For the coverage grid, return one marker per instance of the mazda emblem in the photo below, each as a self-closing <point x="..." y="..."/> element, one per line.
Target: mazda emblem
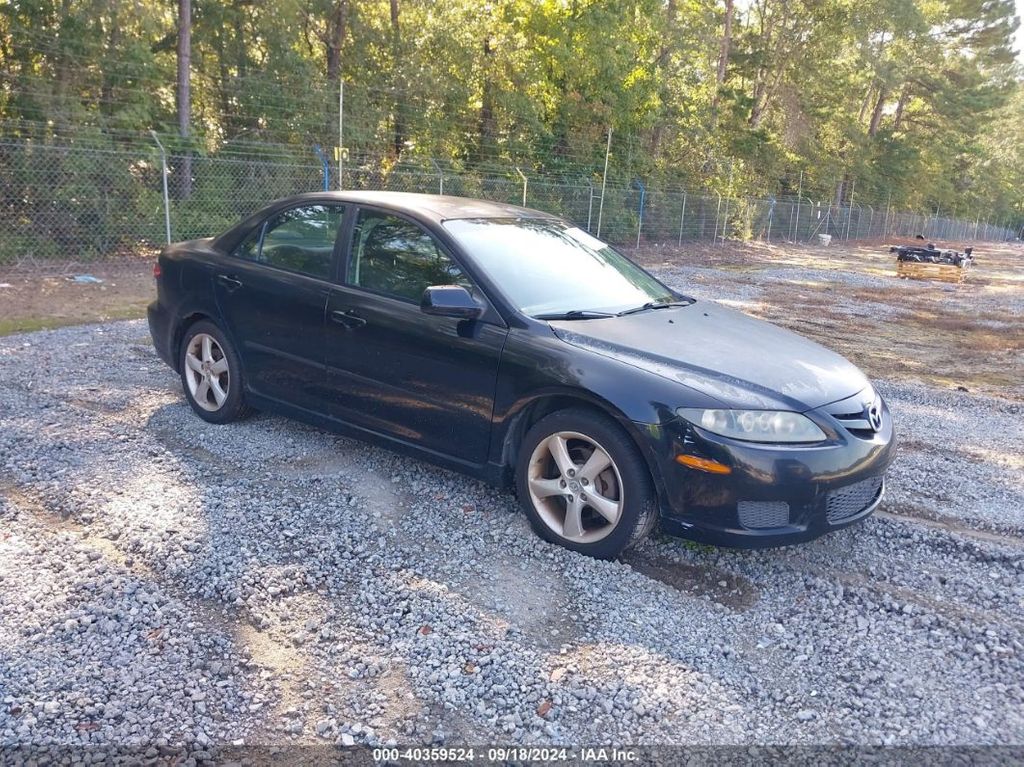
<point x="875" y="417"/>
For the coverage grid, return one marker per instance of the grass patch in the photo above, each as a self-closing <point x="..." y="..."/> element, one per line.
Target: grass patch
<point x="9" y="326"/>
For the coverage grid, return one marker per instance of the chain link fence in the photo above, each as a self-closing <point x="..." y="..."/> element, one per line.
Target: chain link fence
<point x="65" y="207"/>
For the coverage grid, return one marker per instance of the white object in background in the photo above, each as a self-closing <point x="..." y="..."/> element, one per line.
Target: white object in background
<point x="824" y="239"/>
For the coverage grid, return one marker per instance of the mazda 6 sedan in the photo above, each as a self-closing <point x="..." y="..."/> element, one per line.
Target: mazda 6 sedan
<point x="512" y="346"/>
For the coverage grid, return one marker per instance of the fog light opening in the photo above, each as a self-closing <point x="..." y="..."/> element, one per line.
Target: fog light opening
<point x="703" y="464"/>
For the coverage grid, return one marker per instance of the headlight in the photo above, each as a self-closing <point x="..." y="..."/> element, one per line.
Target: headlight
<point x="755" y="425"/>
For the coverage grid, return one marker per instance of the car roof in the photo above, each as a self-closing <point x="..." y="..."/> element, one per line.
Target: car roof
<point x="438" y="207"/>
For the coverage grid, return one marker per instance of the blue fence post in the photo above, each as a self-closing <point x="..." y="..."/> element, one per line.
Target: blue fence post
<point x="643" y="195"/>
<point x="326" y="166"/>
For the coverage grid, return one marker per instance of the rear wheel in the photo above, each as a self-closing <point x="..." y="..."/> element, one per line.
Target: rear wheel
<point x="211" y="374"/>
<point x="584" y="485"/>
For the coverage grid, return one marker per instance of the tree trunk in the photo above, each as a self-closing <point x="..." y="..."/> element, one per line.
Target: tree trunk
<point x="663" y="76"/>
<point x="241" y="52"/>
<point x="759" y="105"/>
<point x="398" y="138"/>
<point x="223" y="95"/>
<point x="759" y="92"/>
<point x="723" y="55"/>
<point x="900" y="106"/>
<point x="841" y="191"/>
<point x="486" y="122"/>
<point x="184" y="95"/>
<point x="723" y="49"/>
<point x="106" y="99"/>
<point x="864" y="103"/>
<point x="876" y="115"/>
<point x="64" y="67"/>
<point x="336" y="29"/>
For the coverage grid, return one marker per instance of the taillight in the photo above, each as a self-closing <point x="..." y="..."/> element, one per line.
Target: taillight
<point x="157" y="271"/>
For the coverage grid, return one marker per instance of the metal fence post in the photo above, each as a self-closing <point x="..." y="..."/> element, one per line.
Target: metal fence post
<point x="341" y="132"/>
<point x="799" y="193"/>
<point x="326" y="168"/>
<point x="604" y="182"/>
<point x="440" y="176"/>
<point x="163" y="175"/>
<point x="849" y="214"/>
<point x="682" y="217"/>
<point x="640" y="222"/>
<point x="718" y="212"/>
<point x="590" y="204"/>
<point x="523" y="177"/>
<point x="728" y="196"/>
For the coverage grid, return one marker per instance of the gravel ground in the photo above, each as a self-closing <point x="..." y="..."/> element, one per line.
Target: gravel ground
<point x="167" y="581"/>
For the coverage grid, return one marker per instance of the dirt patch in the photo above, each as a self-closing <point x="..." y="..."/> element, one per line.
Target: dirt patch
<point x="729" y="590"/>
<point x="38" y="302"/>
<point x="848" y="298"/>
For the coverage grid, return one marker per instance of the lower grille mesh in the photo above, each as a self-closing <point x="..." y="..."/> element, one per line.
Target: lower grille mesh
<point x="760" y="515"/>
<point x="849" y="501"/>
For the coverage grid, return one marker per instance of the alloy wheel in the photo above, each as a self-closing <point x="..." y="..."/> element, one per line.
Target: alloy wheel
<point x="575" y="487"/>
<point x="206" y="372"/>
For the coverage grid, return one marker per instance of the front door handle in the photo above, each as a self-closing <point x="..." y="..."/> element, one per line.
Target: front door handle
<point x="229" y="282"/>
<point x="348" y="318"/>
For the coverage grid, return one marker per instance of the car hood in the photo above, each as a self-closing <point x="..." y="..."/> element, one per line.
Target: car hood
<point x="738" y="360"/>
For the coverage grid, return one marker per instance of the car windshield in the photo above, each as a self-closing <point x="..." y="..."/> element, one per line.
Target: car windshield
<point x="548" y="267"/>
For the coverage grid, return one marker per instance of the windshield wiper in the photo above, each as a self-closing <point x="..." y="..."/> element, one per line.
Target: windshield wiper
<point x="573" y="314"/>
<point x="656" y="305"/>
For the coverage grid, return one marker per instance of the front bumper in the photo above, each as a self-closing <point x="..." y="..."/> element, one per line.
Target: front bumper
<point x="774" y="495"/>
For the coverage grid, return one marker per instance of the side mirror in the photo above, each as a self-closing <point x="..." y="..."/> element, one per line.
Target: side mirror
<point x="450" y="301"/>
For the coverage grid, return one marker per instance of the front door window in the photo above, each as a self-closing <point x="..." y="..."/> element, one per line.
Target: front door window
<point x="397" y="258"/>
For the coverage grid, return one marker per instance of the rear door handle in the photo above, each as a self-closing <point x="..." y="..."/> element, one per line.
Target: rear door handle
<point x="348" y="318"/>
<point x="228" y="281"/>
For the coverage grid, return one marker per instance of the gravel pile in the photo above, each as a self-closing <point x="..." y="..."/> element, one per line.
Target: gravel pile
<point x="269" y="583"/>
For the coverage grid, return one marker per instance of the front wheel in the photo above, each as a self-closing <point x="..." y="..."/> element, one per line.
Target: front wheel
<point x="211" y="374"/>
<point x="583" y="484"/>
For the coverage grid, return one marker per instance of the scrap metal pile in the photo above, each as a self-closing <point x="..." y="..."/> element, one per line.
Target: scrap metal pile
<point x="932" y="255"/>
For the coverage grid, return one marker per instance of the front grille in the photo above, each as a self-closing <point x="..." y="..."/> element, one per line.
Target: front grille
<point x="853" y="413"/>
<point x="851" y="500"/>
<point x="761" y="515"/>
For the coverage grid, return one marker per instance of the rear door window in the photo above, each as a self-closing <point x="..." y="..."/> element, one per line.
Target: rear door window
<point x="298" y="240"/>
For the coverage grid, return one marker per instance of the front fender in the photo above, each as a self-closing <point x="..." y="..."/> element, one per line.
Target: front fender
<point x="538" y="367"/>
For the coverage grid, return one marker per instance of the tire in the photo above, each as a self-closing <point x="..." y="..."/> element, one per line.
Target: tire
<point x="210" y="368"/>
<point x="545" y="484"/>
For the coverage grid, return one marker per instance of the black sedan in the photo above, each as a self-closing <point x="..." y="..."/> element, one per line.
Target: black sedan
<point x="513" y="346"/>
